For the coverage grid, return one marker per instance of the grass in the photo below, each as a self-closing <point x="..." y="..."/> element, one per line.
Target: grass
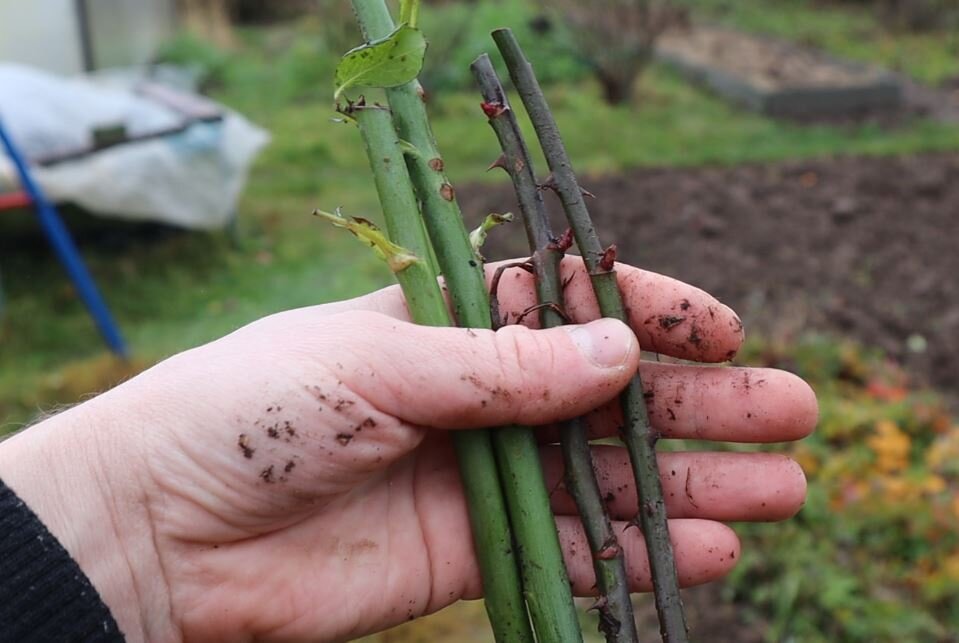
<point x="178" y="290"/>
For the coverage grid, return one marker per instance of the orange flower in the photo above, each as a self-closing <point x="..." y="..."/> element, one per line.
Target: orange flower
<point x="891" y="446"/>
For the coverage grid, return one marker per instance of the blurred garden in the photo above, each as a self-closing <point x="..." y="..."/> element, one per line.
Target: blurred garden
<point x="832" y="234"/>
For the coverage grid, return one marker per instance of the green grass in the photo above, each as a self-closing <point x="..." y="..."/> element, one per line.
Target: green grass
<point x="843" y="29"/>
<point x="184" y="289"/>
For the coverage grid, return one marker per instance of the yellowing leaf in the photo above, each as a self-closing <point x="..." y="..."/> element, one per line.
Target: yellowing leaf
<point x="387" y="62"/>
<point x="397" y="257"/>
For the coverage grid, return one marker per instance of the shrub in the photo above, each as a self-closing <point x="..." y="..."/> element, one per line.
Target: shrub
<point x="616" y="39"/>
<point x="874" y="554"/>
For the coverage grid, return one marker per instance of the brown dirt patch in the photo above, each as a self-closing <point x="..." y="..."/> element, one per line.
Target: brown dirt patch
<point x="860" y="247"/>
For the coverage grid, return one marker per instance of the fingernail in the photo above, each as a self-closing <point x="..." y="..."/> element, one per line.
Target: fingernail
<point x="606" y="343"/>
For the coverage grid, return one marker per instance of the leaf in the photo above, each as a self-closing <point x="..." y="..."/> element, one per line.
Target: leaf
<point x="396" y="257"/>
<point x="388" y="62"/>
<point x="478" y="236"/>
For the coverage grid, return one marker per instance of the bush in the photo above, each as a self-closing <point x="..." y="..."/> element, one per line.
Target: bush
<point x="874" y="554"/>
<point x="616" y="39"/>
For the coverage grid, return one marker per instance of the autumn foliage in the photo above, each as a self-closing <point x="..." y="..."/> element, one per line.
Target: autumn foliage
<point x="874" y="554"/>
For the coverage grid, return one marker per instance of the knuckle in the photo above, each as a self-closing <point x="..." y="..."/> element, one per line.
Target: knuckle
<point x="524" y="357"/>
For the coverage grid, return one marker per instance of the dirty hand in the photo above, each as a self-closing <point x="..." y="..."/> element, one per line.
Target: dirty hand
<point x="295" y="481"/>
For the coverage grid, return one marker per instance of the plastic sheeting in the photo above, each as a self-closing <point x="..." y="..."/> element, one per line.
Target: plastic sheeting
<point x="192" y="178"/>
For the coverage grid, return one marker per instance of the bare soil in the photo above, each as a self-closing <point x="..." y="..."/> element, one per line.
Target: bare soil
<point x="765" y="62"/>
<point x="857" y="247"/>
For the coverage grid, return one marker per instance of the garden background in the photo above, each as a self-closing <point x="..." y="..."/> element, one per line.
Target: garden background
<point x="833" y="237"/>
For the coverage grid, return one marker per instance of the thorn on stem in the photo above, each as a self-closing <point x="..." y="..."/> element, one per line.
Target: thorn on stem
<point x="563" y="243"/>
<point x="609" y="550"/>
<point x="608" y="260"/>
<point x="548" y="184"/>
<point x="493" y="109"/>
<point x="500" y="162"/>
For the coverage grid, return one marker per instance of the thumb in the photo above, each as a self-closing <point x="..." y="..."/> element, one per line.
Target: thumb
<point x="464" y="378"/>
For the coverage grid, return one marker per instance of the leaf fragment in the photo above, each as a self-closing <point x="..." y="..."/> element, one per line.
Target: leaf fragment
<point x="478" y="236"/>
<point x="396" y="257"/>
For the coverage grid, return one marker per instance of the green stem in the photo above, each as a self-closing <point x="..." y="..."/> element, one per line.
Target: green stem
<point x="637" y="433"/>
<point x="491" y="531"/>
<point x="545" y="581"/>
<point x="615" y="608"/>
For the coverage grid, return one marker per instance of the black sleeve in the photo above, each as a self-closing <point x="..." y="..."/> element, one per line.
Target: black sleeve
<point x="44" y="596"/>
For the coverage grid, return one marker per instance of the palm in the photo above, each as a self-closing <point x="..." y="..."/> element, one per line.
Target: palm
<point x="363" y="562"/>
<point x="302" y="495"/>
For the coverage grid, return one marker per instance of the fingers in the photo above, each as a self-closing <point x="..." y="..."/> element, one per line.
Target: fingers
<point x="714" y="486"/>
<point x="704" y="551"/>
<point x="458" y="378"/>
<point x="722" y="404"/>
<point x="668" y="316"/>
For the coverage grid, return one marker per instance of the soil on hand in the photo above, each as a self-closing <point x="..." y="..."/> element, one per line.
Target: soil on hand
<point x="860" y="247"/>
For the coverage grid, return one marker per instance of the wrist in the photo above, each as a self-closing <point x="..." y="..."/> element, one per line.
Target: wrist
<point x="82" y="483"/>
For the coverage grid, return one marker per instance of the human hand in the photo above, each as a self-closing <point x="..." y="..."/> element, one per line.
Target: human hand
<point x="286" y="482"/>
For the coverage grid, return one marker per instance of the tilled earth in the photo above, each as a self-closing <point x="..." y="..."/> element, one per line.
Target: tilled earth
<point x="860" y="247"/>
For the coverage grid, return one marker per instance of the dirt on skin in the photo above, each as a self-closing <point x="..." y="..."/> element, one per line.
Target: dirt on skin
<point x="859" y="247"/>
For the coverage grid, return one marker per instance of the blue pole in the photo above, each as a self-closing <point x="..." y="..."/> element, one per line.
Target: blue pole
<point x="59" y="237"/>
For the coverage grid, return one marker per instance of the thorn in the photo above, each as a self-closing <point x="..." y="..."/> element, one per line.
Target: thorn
<point x="548" y="184"/>
<point x="500" y="162"/>
<point x="608" y="552"/>
<point x="493" y="109"/>
<point x="608" y="260"/>
<point x="587" y="193"/>
<point x="563" y="243"/>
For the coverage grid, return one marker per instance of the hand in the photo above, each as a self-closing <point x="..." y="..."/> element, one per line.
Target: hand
<point x="295" y="481"/>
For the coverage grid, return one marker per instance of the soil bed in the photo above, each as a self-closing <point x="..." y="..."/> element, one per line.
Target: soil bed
<point x="858" y="247"/>
<point x="776" y="77"/>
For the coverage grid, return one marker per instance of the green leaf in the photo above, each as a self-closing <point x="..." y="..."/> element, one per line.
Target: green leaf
<point x="397" y="257"/>
<point x="478" y="236"/>
<point x="388" y="62"/>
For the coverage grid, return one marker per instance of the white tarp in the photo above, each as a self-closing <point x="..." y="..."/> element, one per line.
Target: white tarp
<point x="192" y="178"/>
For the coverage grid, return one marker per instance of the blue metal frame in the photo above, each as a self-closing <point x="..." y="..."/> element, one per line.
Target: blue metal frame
<point x="59" y="237"/>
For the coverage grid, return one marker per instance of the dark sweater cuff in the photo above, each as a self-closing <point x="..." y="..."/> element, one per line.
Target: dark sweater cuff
<point x="44" y="596"/>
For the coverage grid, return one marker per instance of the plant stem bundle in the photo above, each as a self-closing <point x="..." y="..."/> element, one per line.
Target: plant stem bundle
<point x="493" y="540"/>
<point x="614" y="605"/>
<point x="637" y="434"/>
<point x="545" y="584"/>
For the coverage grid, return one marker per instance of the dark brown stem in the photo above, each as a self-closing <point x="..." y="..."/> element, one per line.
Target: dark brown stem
<point x="637" y="433"/>
<point x="615" y="609"/>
